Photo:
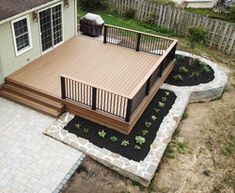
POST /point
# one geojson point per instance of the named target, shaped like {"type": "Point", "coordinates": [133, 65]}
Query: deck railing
{"type": "Point", "coordinates": [95, 97]}
{"type": "Point", "coordinates": [112, 102]}
{"type": "Point", "coordinates": [136, 40]}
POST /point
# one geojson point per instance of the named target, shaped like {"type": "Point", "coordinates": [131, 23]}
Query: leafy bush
{"type": "Point", "coordinates": [140, 140]}
{"type": "Point", "coordinates": [164, 99]}
{"type": "Point", "coordinates": [183, 70]}
{"type": "Point", "coordinates": [130, 13]}
{"type": "Point", "coordinates": [151, 19]}
{"type": "Point", "coordinates": [167, 93]}
{"type": "Point", "coordinates": [93, 4]}
{"type": "Point", "coordinates": [137, 147]}
{"type": "Point", "coordinates": [125, 143]}
{"type": "Point", "coordinates": [78, 125]}
{"type": "Point", "coordinates": [153, 117]}
{"type": "Point", "coordinates": [86, 130]}
{"type": "Point", "coordinates": [205, 69]}
{"type": "Point", "coordinates": [194, 75]}
{"type": "Point", "coordinates": [161, 104]}
{"type": "Point", "coordinates": [145, 132]}
{"type": "Point", "coordinates": [197, 35]}
{"type": "Point", "coordinates": [178, 77]}
{"type": "Point", "coordinates": [113, 138]}
{"type": "Point", "coordinates": [102, 133]}
{"type": "Point", "coordinates": [148, 124]}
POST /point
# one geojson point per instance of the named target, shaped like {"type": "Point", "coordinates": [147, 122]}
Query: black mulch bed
{"type": "Point", "coordinates": [203, 73]}
{"type": "Point", "coordinates": [127, 151]}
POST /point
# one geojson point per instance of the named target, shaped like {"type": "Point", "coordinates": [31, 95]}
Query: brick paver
{"type": "Point", "coordinates": [29, 160]}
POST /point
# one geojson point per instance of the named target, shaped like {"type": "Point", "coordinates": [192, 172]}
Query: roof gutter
{"type": "Point", "coordinates": [29, 11]}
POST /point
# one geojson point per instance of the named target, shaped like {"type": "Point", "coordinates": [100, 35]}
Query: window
{"type": "Point", "coordinates": [21, 35]}
{"type": "Point", "coordinates": [51, 27]}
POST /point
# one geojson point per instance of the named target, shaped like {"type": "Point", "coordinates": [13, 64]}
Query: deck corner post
{"type": "Point", "coordinates": [138, 42]}
{"type": "Point", "coordinates": [94, 93]}
{"type": "Point", "coordinates": [128, 110]}
{"type": "Point", "coordinates": [148, 86]}
{"type": "Point", "coordinates": [62, 84]}
{"type": "Point", "coordinates": [105, 33]}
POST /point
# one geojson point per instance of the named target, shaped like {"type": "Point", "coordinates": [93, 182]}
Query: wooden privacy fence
{"type": "Point", "coordinates": [222, 33]}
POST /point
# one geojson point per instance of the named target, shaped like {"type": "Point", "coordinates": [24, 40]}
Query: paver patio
{"type": "Point", "coordinates": [30, 161]}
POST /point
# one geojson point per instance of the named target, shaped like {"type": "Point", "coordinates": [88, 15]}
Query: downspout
{"type": "Point", "coordinates": [75, 18]}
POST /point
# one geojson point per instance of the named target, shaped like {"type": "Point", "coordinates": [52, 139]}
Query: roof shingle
{"type": "Point", "coordinates": [9, 8]}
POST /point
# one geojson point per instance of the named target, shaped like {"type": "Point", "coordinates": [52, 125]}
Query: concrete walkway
{"type": "Point", "coordinates": [31, 162]}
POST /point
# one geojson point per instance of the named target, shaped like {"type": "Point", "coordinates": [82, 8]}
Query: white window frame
{"type": "Point", "coordinates": [39, 27]}
{"type": "Point", "coordinates": [30, 46]}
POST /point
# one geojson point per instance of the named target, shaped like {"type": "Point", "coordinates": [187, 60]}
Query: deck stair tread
{"type": "Point", "coordinates": [35, 97]}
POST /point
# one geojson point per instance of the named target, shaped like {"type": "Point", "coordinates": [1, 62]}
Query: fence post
{"type": "Point", "coordinates": [62, 84]}
{"type": "Point", "coordinates": [128, 110]}
{"type": "Point", "coordinates": [94, 93]}
{"type": "Point", "coordinates": [105, 34]}
{"type": "Point", "coordinates": [138, 42]}
{"type": "Point", "coordinates": [148, 86]}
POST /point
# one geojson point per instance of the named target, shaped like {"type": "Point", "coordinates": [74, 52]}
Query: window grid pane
{"type": "Point", "coordinates": [21, 34]}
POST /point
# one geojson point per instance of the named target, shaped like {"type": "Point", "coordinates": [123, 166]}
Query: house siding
{"type": "Point", "coordinates": [9, 62]}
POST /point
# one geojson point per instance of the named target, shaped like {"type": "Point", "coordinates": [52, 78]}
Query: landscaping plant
{"type": "Point", "coordinates": [148, 124]}
{"type": "Point", "coordinates": [113, 138]}
{"type": "Point", "coordinates": [183, 70]}
{"type": "Point", "coordinates": [125, 143]}
{"type": "Point", "coordinates": [86, 130]}
{"type": "Point", "coordinates": [137, 147]}
{"type": "Point", "coordinates": [161, 104]}
{"type": "Point", "coordinates": [140, 140]}
{"type": "Point", "coordinates": [77, 125]}
{"type": "Point", "coordinates": [102, 133]}
{"type": "Point", "coordinates": [145, 132]}
{"type": "Point", "coordinates": [178, 77]}
{"type": "Point", "coordinates": [194, 75]}
{"type": "Point", "coordinates": [153, 117]}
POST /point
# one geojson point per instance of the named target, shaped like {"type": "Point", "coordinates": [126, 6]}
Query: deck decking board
{"type": "Point", "coordinates": [109, 66]}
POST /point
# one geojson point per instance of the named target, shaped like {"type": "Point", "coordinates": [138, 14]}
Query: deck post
{"type": "Point", "coordinates": [62, 84]}
{"type": "Point", "coordinates": [94, 93]}
{"type": "Point", "coordinates": [128, 110]}
{"type": "Point", "coordinates": [148, 86]}
{"type": "Point", "coordinates": [105, 34]}
{"type": "Point", "coordinates": [138, 42]}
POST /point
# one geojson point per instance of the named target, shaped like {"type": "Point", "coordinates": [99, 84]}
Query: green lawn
{"type": "Point", "coordinates": [210, 14]}
{"type": "Point", "coordinates": [115, 19]}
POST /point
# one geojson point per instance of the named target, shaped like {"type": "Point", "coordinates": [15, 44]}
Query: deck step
{"type": "Point", "coordinates": [33, 99]}
{"type": "Point", "coordinates": [29, 103]}
{"type": "Point", "coordinates": [33, 96]}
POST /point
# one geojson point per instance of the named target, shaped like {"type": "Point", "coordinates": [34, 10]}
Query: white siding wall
{"type": "Point", "coordinates": [9, 62]}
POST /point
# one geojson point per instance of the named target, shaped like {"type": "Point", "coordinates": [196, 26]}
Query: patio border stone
{"type": "Point", "coordinates": [144, 171]}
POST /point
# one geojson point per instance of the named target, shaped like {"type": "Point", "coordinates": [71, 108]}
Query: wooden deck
{"type": "Point", "coordinates": [107, 66]}
{"type": "Point", "coordinates": [110, 83]}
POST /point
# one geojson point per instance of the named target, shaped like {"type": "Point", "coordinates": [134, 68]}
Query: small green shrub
{"type": "Point", "coordinates": [194, 75]}
{"type": "Point", "coordinates": [151, 19]}
{"type": "Point", "coordinates": [205, 69]}
{"type": "Point", "coordinates": [148, 124]}
{"type": "Point", "coordinates": [164, 99]}
{"type": "Point", "coordinates": [167, 93]}
{"type": "Point", "coordinates": [161, 104]}
{"type": "Point", "coordinates": [130, 13]}
{"type": "Point", "coordinates": [137, 147]}
{"type": "Point", "coordinates": [125, 143]}
{"type": "Point", "coordinates": [178, 77]}
{"type": "Point", "coordinates": [85, 130]}
{"type": "Point", "coordinates": [183, 70]}
{"type": "Point", "coordinates": [113, 138]}
{"type": "Point", "coordinates": [94, 4]}
{"type": "Point", "coordinates": [139, 140]}
{"type": "Point", "coordinates": [153, 117]}
{"type": "Point", "coordinates": [156, 110]}
{"type": "Point", "coordinates": [78, 125]}
{"type": "Point", "coordinates": [102, 133]}
{"type": "Point", "coordinates": [180, 57]}
{"type": "Point", "coordinates": [198, 35]}
{"type": "Point", "coordinates": [185, 115]}
{"type": "Point", "coordinates": [145, 132]}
